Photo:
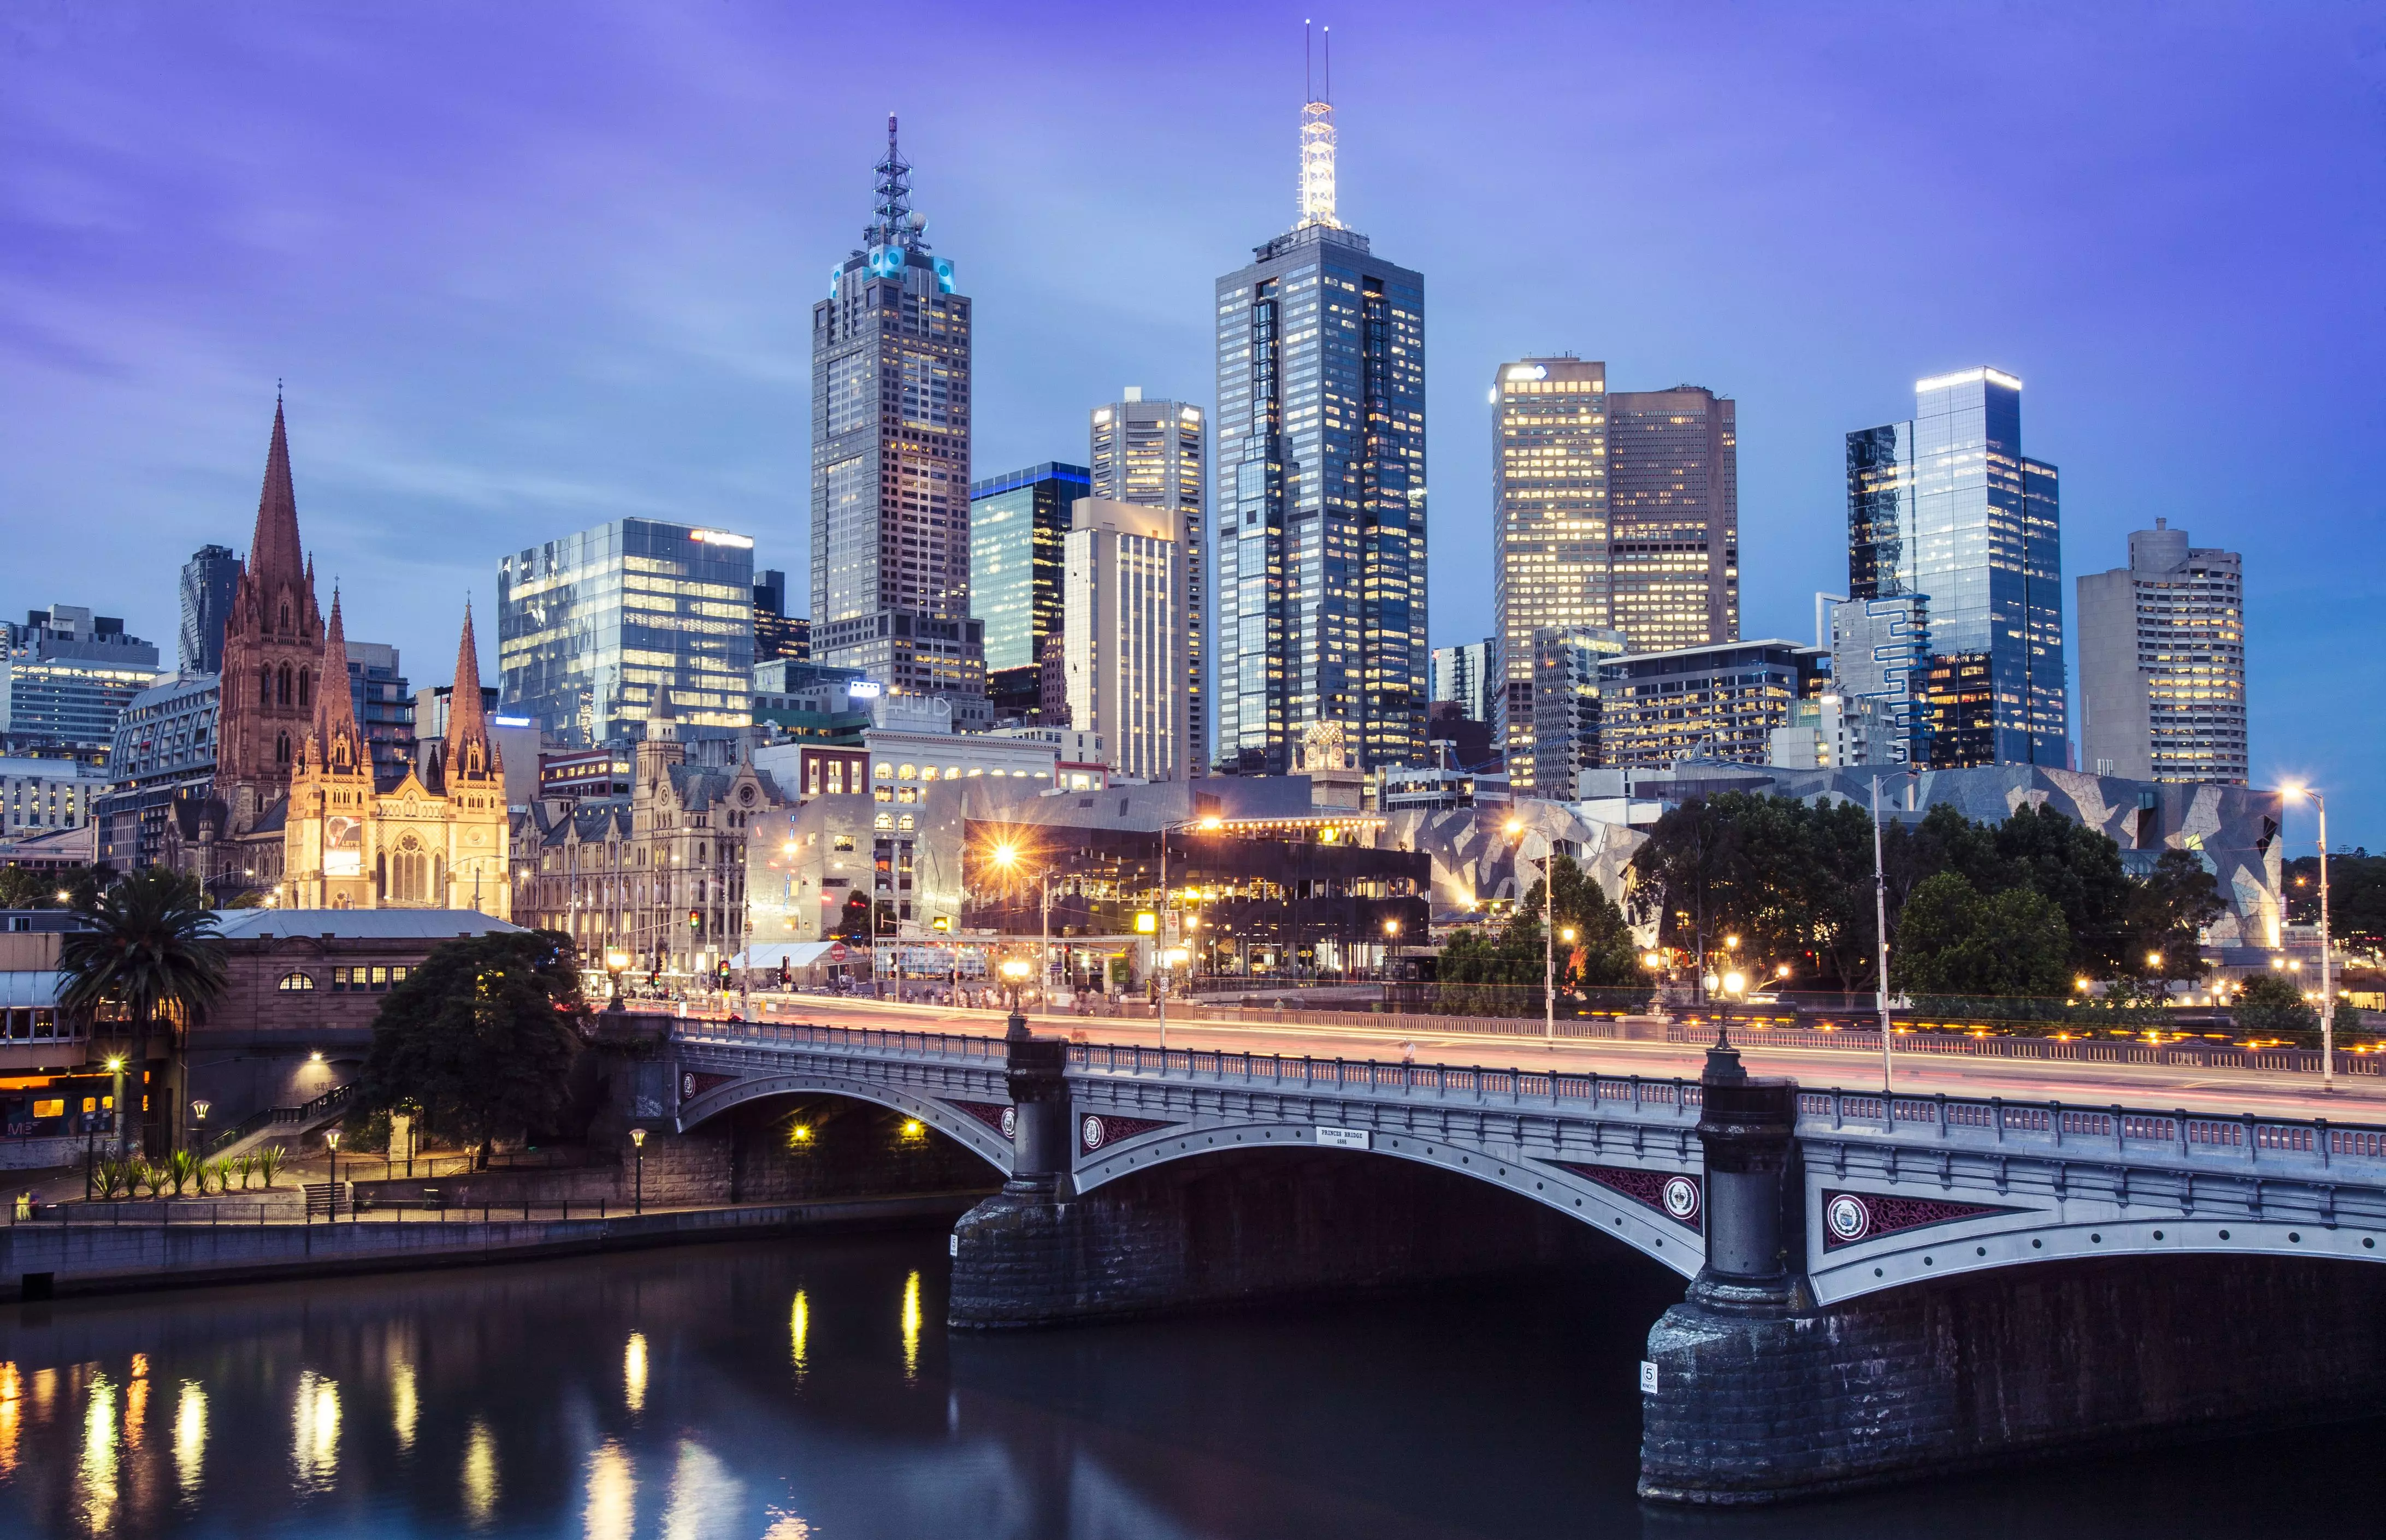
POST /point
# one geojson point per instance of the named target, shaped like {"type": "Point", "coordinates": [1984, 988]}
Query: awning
{"type": "Point", "coordinates": [770, 956]}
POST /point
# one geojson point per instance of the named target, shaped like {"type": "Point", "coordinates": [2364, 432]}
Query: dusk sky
{"type": "Point", "coordinates": [529, 266]}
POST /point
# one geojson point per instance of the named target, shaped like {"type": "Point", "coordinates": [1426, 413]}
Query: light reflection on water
{"type": "Point", "coordinates": [753, 1390]}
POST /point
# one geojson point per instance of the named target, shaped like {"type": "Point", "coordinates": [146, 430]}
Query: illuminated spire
{"type": "Point", "coordinates": [898, 223]}
{"type": "Point", "coordinates": [1317, 139]}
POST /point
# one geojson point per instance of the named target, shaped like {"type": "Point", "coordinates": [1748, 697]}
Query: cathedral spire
{"type": "Point", "coordinates": [273, 552]}
{"type": "Point", "coordinates": [341, 741]}
{"type": "Point", "coordinates": [471, 751]}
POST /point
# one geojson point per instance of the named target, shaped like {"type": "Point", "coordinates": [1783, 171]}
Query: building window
{"type": "Point", "coordinates": [295, 981]}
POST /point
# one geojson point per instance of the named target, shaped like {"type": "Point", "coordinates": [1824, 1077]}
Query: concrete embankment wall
{"type": "Point", "coordinates": [74, 1259]}
{"type": "Point", "coordinates": [2003, 1365]}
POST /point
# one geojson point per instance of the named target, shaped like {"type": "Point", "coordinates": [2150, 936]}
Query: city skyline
{"type": "Point", "coordinates": [412, 498]}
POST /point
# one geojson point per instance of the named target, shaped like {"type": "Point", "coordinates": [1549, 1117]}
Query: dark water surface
{"type": "Point", "coordinates": [807, 1390]}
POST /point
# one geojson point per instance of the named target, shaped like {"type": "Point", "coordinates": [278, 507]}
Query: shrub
{"type": "Point", "coordinates": [180, 1168]}
{"type": "Point", "coordinates": [270, 1158]}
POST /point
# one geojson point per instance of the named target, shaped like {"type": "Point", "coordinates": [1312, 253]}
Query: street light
{"type": "Point", "coordinates": [199, 1116]}
{"type": "Point", "coordinates": [638, 1144]}
{"type": "Point", "coordinates": [115, 1102]}
{"type": "Point", "coordinates": [1549, 924]}
{"type": "Point", "coordinates": [1007, 856]}
{"type": "Point", "coordinates": [332, 1142]}
{"type": "Point", "coordinates": [616, 960]}
{"type": "Point", "coordinates": [2327, 983]}
{"type": "Point", "coordinates": [1209, 823]}
{"type": "Point", "coordinates": [1880, 936]}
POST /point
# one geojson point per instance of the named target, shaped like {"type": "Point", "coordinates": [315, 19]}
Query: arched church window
{"type": "Point", "coordinates": [282, 748]}
{"type": "Point", "coordinates": [285, 615]}
{"type": "Point", "coordinates": [305, 686]}
{"type": "Point", "coordinates": [295, 981]}
{"type": "Point", "coordinates": [264, 686]}
{"type": "Point", "coordinates": [282, 686]}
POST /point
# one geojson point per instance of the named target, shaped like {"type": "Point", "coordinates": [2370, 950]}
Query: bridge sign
{"type": "Point", "coordinates": [1342, 1138]}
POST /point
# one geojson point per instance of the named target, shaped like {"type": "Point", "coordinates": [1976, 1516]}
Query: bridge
{"type": "Point", "coordinates": [1878, 1286]}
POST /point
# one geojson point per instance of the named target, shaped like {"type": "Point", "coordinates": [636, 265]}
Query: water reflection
{"type": "Point", "coordinates": [315, 1440]}
{"type": "Point", "coordinates": [1496, 1409]}
{"type": "Point", "coordinates": [633, 1372]}
{"type": "Point", "coordinates": [190, 1439]}
{"type": "Point", "coordinates": [480, 1474]}
{"type": "Point", "coordinates": [612, 1510]}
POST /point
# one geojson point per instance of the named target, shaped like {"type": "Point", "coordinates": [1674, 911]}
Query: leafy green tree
{"type": "Point", "coordinates": [2079, 870]}
{"type": "Point", "coordinates": [1602, 955]}
{"type": "Point", "coordinates": [2356, 898]}
{"type": "Point", "coordinates": [482, 1036]}
{"type": "Point", "coordinates": [2269, 1005]}
{"type": "Point", "coordinates": [1952, 939]}
{"type": "Point", "coordinates": [1793, 882]}
{"type": "Point", "coordinates": [76, 887]}
{"type": "Point", "coordinates": [2165, 919]}
{"type": "Point", "coordinates": [151, 955]}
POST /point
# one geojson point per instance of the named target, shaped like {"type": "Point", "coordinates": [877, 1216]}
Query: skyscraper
{"type": "Point", "coordinates": [1947, 507]}
{"type": "Point", "coordinates": [891, 458]}
{"type": "Point", "coordinates": [66, 675]}
{"type": "Point", "coordinates": [2162, 663]}
{"type": "Point", "coordinates": [1462, 676]}
{"type": "Point", "coordinates": [1566, 661]}
{"type": "Point", "coordinates": [1321, 490]}
{"type": "Point", "coordinates": [1673, 517]}
{"type": "Point", "coordinates": [1549, 528]}
{"type": "Point", "coordinates": [1880, 663]}
{"type": "Point", "coordinates": [591, 626]}
{"type": "Point", "coordinates": [778, 634]}
{"type": "Point", "coordinates": [1123, 640]}
{"type": "Point", "coordinates": [208, 580]}
{"type": "Point", "coordinates": [1150, 453]}
{"type": "Point", "coordinates": [1018, 522]}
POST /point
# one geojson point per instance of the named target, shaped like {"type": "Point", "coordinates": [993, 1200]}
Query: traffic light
{"type": "Point", "coordinates": [723, 973]}
{"type": "Point", "coordinates": [695, 919]}
{"type": "Point", "coordinates": [942, 922]}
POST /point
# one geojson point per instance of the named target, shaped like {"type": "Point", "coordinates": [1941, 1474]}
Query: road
{"type": "Point", "coordinates": [2163, 1087]}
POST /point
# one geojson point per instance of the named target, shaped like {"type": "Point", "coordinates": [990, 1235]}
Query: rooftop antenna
{"type": "Point", "coordinates": [1317, 135]}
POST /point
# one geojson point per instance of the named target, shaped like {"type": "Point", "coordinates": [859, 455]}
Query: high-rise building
{"type": "Point", "coordinates": [1947, 507]}
{"type": "Point", "coordinates": [778, 634]}
{"type": "Point", "coordinates": [1549, 527]}
{"type": "Point", "coordinates": [2162, 663]}
{"type": "Point", "coordinates": [384, 707]}
{"type": "Point", "coordinates": [1462, 675]}
{"type": "Point", "coordinates": [1673, 517]}
{"type": "Point", "coordinates": [66, 675]}
{"type": "Point", "coordinates": [1721, 702]}
{"type": "Point", "coordinates": [590, 626]}
{"type": "Point", "coordinates": [1611, 511]}
{"type": "Point", "coordinates": [1018, 522]}
{"type": "Point", "coordinates": [1880, 661]}
{"type": "Point", "coordinates": [1566, 718]}
{"type": "Point", "coordinates": [1124, 635]}
{"type": "Point", "coordinates": [890, 534]}
{"type": "Point", "coordinates": [1320, 477]}
{"type": "Point", "coordinates": [1152, 453]}
{"type": "Point", "coordinates": [209, 578]}
{"type": "Point", "coordinates": [160, 769]}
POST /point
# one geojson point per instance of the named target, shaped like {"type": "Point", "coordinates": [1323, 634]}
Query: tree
{"type": "Point", "coordinates": [2166, 915]}
{"type": "Point", "coordinates": [853, 924]}
{"type": "Point", "coordinates": [1602, 954]}
{"type": "Point", "coordinates": [152, 952]}
{"type": "Point", "coordinates": [76, 887]}
{"type": "Point", "coordinates": [1793, 882]}
{"type": "Point", "coordinates": [482, 1036]}
{"type": "Point", "coordinates": [1952, 939]}
{"type": "Point", "coordinates": [2268, 1005]}
{"type": "Point", "coordinates": [2079, 870]}
{"type": "Point", "coordinates": [2356, 898]}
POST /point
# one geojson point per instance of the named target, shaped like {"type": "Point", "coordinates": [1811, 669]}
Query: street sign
{"type": "Point", "coordinates": [1342, 1138]}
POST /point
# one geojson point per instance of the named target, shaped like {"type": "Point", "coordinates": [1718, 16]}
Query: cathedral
{"type": "Point", "coordinates": [304, 817]}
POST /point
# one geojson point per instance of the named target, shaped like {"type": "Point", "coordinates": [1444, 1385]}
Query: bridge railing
{"type": "Point", "coordinates": [866, 1039]}
{"type": "Point", "coordinates": [1470, 1082]}
{"type": "Point", "coordinates": [2122, 1130]}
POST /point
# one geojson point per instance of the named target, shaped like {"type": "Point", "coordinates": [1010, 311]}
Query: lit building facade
{"type": "Point", "coordinates": [890, 525]}
{"type": "Point", "coordinates": [1153, 452]}
{"type": "Point", "coordinates": [1321, 491]}
{"type": "Point", "coordinates": [161, 767]}
{"type": "Point", "coordinates": [1549, 528]}
{"type": "Point", "coordinates": [2162, 663]}
{"type": "Point", "coordinates": [1946, 507]}
{"type": "Point", "coordinates": [1463, 677]}
{"type": "Point", "coordinates": [1673, 515]}
{"type": "Point", "coordinates": [1566, 717]}
{"type": "Point", "coordinates": [591, 626]}
{"type": "Point", "coordinates": [1124, 635]}
{"type": "Point", "coordinates": [208, 580]}
{"type": "Point", "coordinates": [1714, 703]}
{"type": "Point", "coordinates": [1018, 523]}
{"type": "Point", "coordinates": [778, 634]}
{"type": "Point", "coordinates": [1880, 660]}
{"type": "Point", "coordinates": [65, 676]}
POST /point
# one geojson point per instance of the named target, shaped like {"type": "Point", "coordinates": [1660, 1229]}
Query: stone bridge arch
{"type": "Point", "coordinates": [705, 1096]}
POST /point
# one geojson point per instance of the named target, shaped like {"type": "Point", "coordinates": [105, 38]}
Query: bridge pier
{"type": "Point", "coordinates": [1759, 1395]}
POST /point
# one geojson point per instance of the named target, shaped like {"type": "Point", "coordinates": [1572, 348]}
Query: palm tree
{"type": "Point", "coordinates": [153, 952]}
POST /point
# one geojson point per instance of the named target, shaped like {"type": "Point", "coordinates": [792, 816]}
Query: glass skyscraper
{"type": "Point", "coordinates": [890, 532]}
{"type": "Point", "coordinates": [1017, 524]}
{"type": "Point", "coordinates": [591, 626]}
{"type": "Point", "coordinates": [1948, 508]}
{"type": "Point", "coordinates": [1321, 491]}
{"type": "Point", "coordinates": [209, 579]}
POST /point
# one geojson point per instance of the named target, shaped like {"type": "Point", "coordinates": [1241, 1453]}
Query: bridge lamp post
{"type": "Point", "coordinates": [1549, 924]}
{"type": "Point", "coordinates": [616, 962]}
{"type": "Point", "coordinates": [1391, 945]}
{"type": "Point", "coordinates": [1014, 973]}
{"type": "Point", "coordinates": [1005, 856]}
{"type": "Point", "coordinates": [1880, 935]}
{"type": "Point", "coordinates": [638, 1147]}
{"type": "Point", "coordinates": [1209, 823]}
{"type": "Point", "coordinates": [331, 1143]}
{"type": "Point", "coordinates": [2297, 793]}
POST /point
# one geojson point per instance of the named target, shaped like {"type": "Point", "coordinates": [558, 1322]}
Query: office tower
{"type": "Point", "coordinates": [1673, 517]}
{"type": "Point", "coordinates": [590, 626]}
{"type": "Point", "coordinates": [1462, 676]}
{"type": "Point", "coordinates": [208, 580]}
{"type": "Point", "coordinates": [2162, 663]}
{"type": "Point", "coordinates": [891, 459]}
{"type": "Point", "coordinates": [1566, 725]}
{"type": "Point", "coordinates": [1018, 522]}
{"type": "Point", "coordinates": [1321, 484]}
{"type": "Point", "coordinates": [65, 677]}
{"type": "Point", "coordinates": [1947, 507]}
{"type": "Point", "coordinates": [1123, 638]}
{"type": "Point", "coordinates": [1880, 653]}
{"type": "Point", "coordinates": [1152, 453]}
{"type": "Point", "coordinates": [384, 707]}
{"type": "Point", "coordinates": [778, 634]}
{"type": "Point", "coordinates": [1549, 528]}
{"type": "Point", "coordinates": [1721, 702]}
{"type": "Point", "coordinates": [164, 754]}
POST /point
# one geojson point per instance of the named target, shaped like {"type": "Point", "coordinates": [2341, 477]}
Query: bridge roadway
{"type": "Point", "coordinates": [2224, 1091]}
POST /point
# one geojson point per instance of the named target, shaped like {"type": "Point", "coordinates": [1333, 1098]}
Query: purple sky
{"type": "Point", "coordinates": [534, 266]}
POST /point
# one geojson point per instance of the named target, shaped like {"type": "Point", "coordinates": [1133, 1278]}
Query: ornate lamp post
{"type": "Point", "coordinates": [2327, 976]}
{"type": "Point", "coordinates": [1209, 824]}
{"type": "Point", "coordinates": [638, 1144]}
{"type": "Point", "coordinates": [199, 1121]}
{"type": "Point", "coordinates": [331, 1143]}
{"type": "Point", "coordinates": [616, 962]}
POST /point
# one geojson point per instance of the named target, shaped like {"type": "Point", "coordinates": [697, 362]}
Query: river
{"type": "Point", "coordinates": [807, 1390]}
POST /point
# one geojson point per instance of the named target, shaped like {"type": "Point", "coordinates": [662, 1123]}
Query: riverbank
{"type": "Point", "coordinates": [44, 1259]}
